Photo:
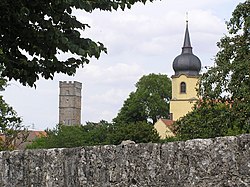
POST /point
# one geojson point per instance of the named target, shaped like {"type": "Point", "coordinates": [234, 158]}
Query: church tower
{"type": "Point", "coordinates": [186, 67]}
{"type": "Point", "coordinates": [70, 103]}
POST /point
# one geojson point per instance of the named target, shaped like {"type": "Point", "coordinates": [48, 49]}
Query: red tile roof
{"type": "Point", "coordinates": [32, 135]}
{"type": "Point", "coordinates": [167, 122]}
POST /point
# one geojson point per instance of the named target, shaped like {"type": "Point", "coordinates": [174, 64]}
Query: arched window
{"type": "Point", "coordinates": [183, 87]}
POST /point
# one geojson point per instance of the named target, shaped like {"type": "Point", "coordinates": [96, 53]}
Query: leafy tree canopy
{"type": "Point", "coordinates": [140, 132]}
{"type": "Point", "coordinates": [33, 33]}
{"type": "Point", "coordinates": [224, 88]}
{"type": "Point", "coordinates": [102, 133]}
{"type": "Point", "coordinates": [209, 121]}
{"type": "Point", "coordinates": [12, 131]}
{"type": "Point", "coordinates": [149, 102]}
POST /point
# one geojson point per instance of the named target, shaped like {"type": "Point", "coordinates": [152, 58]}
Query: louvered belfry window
{"type": "Point", "coordinates": [183, 87]}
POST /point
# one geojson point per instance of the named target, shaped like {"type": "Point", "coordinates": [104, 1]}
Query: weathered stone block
{"type": "Point", "coordinates": [195, 163]}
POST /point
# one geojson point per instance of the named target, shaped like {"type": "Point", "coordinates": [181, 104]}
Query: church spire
{"type": "Point", "coordinates": [187, 63]}
{"type": "Point", "coordinates": [187, 44]}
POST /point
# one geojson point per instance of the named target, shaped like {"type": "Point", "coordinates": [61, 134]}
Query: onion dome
{"type": "Point", "coordinates": [187, 63]}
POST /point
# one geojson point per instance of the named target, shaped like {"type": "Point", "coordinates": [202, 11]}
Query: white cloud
{"type": "Point", "coordinates": [105, 73]}
{"type": "Point", "coordinates": [113, 96]}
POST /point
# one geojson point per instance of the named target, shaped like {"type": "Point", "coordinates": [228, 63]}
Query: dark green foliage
{"type": "Point", "coordinates": [61, 136]}
{"type": "Point", "coordinates": [209, 121]}
{"type": "Point", "coordinates": [140, 132]}
{"type": "Point", "coordinates": [170, 139]}
{"type": "Point", "coordinates": [149, 102]}
{"type": "Point", "coordinates": [12, 131]}
{"type": "Point", "coordinates": [102, 133]}
{"type": "Point", "coordinates": [33, 33]}
{"type": "Point", "coordinates": [132, 110]}
{"type": "Point", "coordinates": [225, 88]}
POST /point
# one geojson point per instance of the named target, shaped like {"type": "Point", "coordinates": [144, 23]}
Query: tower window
{"type": "Point", "coordinates": [183, 87]}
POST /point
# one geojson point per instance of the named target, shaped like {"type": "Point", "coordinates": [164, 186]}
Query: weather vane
{"type": "Point", "coordinates": [186, 16]}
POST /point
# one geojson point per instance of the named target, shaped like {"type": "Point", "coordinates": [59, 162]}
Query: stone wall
{"type": "Point", "coordinates": [219, 162]}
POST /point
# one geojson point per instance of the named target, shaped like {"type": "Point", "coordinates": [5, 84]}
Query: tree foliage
{"type": "Point", "coordinates": [149, 102]}
{"type": "Point", "coordinates": [12, 131]}
{"type": "Point", "coordinates": [32, 34]}
{"type": "Point", "coordinates": [208, 121]}
{"type": "Point", "coordinates": [102, 133]}
{"type": "Point", "coordinates": [224, 88]}
{"type": "Point", "coordinates": [140, 132]}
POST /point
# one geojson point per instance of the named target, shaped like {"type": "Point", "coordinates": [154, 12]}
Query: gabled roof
{"type": "Point", "coordinates": [37, 133]}
{"type": "Point", "coordinates": [167, 122]}
{"type": "Point", "coordinates": [32, 135]}
{"type": "Point", "coordinates": [165, 128]}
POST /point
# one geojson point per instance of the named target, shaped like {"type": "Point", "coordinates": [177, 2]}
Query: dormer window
{"type": "Point", "coordinates": [183, 87]}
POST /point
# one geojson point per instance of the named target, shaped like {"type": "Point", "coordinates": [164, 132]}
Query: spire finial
{"type": "Point", "coordinates": [187, 44]}
{"type": "Point", "coordinates": [187, 17]}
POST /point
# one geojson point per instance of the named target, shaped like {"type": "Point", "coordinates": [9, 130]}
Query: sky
{"type": "Point", "coordinates": [140, 41]}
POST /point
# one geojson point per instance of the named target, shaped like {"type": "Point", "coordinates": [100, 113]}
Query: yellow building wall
{"type": "Point", "coordinates": [190, 87]}
{"type": "Point", "coordinates": [182, 103]}
{"type": "Point", "coordinates": [180, 108]}
{"type": "Point", "coordinates": [163, 130]}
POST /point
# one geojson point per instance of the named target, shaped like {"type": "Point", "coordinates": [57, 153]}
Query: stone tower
{"type": "Point", "coordinates": [187, 67]}
{"type": "Point", "coordinates": [70, 103]}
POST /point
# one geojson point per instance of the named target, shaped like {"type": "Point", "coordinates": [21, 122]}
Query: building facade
{"type": "Point", "coordinates": [164, 127]}
{"type": "Point", "coordinates": [187, 67]}
{"type": "Point", "coordinates": [70, 103]}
